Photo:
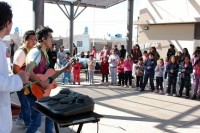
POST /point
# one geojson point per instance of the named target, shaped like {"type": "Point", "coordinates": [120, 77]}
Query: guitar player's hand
{"type": "Point", "coordinates": [44, 83]}
{"type": "Point", "coordinates": [24, 76]}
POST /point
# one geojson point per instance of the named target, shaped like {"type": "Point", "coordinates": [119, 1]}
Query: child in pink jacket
{"type": "Point", "coordinates": [128, 66]}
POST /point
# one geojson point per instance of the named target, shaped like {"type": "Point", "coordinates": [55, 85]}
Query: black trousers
{"type": "Point", "coordinates": [172, 82]}
{"type": "Point", "coordinates": [159, 83]}
{"type": "Point", "coordinates": [182, 85]}
{"type": "Point", "coordinates": [139, 80]}
{"type": "Point", "coordinates": [121, 78]}
{"type": "Point", "coordinates": [128, 77]}
{"type": "Point", "coordinates": [104, 76]}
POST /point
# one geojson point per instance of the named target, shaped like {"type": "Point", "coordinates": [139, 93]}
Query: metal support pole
{"type": "Point", "coordinates": [71, 28]}
{"type": "Point", "coordinates": [130, 25]}
{"type": "Point", "coordinates": [38, 9]}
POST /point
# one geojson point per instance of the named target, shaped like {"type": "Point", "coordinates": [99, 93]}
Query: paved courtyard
{"type": "Point", "coordinates": [127, 110]}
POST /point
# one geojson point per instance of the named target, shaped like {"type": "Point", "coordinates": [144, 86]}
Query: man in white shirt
{"type": "Point", "coordinates": [7, 83]}
{"type": "Point", "coordinates": [20, 64]}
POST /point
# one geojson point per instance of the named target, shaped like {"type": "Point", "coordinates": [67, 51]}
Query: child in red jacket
{"type": "Point", "coordinates": [120, 70]}
{"type": "Point", "coordinates": [76, 71]}
{"type": "Point", "coordinates": [104, 69]}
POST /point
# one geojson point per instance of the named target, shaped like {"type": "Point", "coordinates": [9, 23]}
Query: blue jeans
{"type": "Point", "coordinates": [146, 77]}
{"type": "Point", "coordinates": [91, 76]}
{"type": "Point", "coordinates": [25, 112]}
{"type": "Point", "coordinates": [36, 118]}
{"type": "Point", "coordinates": [66, 75]}
{"type": "Point", "coordinates": [113, 72]}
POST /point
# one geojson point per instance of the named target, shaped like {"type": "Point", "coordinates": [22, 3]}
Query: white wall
{"type": "Point", "coordinates": [160, 36]}
{"type": "Point", "coordinates": [156, 11]}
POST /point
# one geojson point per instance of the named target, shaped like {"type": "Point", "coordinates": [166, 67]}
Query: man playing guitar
{"type": "Point", "coordinates": [38, 61]}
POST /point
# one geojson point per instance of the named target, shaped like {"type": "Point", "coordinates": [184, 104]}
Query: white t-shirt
{"type": "Point", "coordinates": [33, 54]}
{"type": "Point", "coordinates": [19, 57]}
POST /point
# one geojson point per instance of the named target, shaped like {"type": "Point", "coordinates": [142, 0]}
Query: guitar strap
{"type": "Point", "coordinates": [30, 68]}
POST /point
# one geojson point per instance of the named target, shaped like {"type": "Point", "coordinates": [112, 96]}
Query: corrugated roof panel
{"type": "Point", "coordinates": [88, 3]}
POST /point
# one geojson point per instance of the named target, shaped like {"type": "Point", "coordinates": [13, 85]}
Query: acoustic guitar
{"type": "Point", "coordinates": [37, 89]}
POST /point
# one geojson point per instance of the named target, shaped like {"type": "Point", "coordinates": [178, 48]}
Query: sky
{"type": "Point", "coordinates": [100, 22]}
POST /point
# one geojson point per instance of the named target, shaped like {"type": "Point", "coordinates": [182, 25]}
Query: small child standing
{"type": "Point", "coordinates": [139, 72]}
{"type": "Point", "coordinates": [196, 89]}
{"type": "Point", "coordinates": [113, 61]}
{"type": "Point", "coordinates": [185, 79]}
{"type": "Point", "coordinates": [67, 73]}
{"type": "Point", "coordinates": [120, 69]}
{"type": "Point", "coordinates": [76, 71]}
{"type": "Point", "coordinates": [172, 72]}
{"type": "Point", "coordinates": [91, 68]}
{"type": "Point", "coordinates": [128, 66]}
{"type": "Point", "coordinates": [149, 68]}
{"type": "Point", "coordinates": [159, 72]}
{"type": "Point", "coordinates": [104, 69]}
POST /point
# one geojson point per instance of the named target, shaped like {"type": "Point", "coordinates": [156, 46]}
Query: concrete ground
{"type": "Point", "coordinates": [127, 110]}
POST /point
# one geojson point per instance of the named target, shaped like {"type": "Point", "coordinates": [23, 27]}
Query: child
{"type": "Point", "coordinates": [120, 69]}
{"type": "Point", "coordinates": [104, 69]}
{"type": "Point", "coordinates": [76, 71]}
{"type": "Point", "coordinates": [149, 68]}
{"type": "Point", "coordinates": [91, 68]}
{"type": "Point", "coordinates": [197, 79]}
{"type": "Point", "coordinates": [145, 56]}
{"type": "Point", "coordinates": [67, 73]}
{"type": "Point", "coordinates": [113, 61]}
{"type": "Point", "coordinates": [139, 72]}
{"type": "Point", "coordinates": [185, 78]}
{"type": "Point", "coordinates": [128, 66]}
{"type": "Point", "coordinates": [159, 71]}
{"type": "Point", "coordinates": [172, 72]}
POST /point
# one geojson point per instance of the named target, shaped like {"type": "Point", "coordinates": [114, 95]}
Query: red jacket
{"type": "Point", "coordinates": [120, 67]}
{"type": "Point", "coordinates": [77, 67]}
{"type": "Point", "coordinates": [104, 67]}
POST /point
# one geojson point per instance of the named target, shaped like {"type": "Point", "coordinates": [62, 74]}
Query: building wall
{"type": "Point", "coordinates": [160, 36]}
{"type": "Point", "coordinates": [155, 11]}
{"type": "Point", "coordinates": [162, 22]}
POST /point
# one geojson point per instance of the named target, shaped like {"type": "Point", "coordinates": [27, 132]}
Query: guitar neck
{"type": "Point", "coordinates": [60, 71]}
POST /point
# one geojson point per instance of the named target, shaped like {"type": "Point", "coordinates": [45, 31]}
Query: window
{"type": "Point", "coordinates": [197, 31]}
{"type": "Point", "coordinates": [79, 43]}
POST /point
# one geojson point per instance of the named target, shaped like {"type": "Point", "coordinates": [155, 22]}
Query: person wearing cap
{"type": "Point", "coordinates": [76, 71]}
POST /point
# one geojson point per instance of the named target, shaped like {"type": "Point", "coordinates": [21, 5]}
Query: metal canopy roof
{"type": "Point", "coordinates": [87, 3]}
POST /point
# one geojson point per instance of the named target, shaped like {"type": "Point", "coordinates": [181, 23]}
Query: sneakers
{"type": "Point", "coordinates": [20, 122]}
{"type": "Point", "coordinates": [130, 86]}
{"type": "Point", "coordinates": [141, 89]}
{"type": "Point", "coordinates": [161, 92]}
{"type": "Point", "coordinates": [174, 94]}
{"type": "Point", "coordinates": [167, 94]}
{"type": "Point", "coordinates": [155, 91]}
{"type": "Point", "coordinates": [125, 86]}
{"type": "Point", "coordinates": [194, 97]}
{"type": "Point", "coordinates": [63, 83]}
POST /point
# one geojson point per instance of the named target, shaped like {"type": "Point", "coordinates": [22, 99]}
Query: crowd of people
{"type": "Point", "coordinates": [175, 69]}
